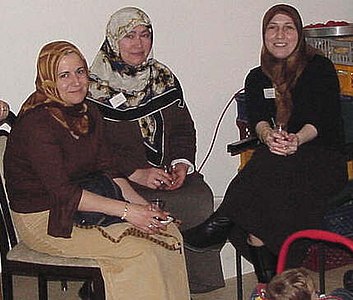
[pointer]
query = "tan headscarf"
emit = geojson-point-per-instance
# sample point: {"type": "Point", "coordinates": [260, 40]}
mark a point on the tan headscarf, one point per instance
{"type": "Point", "coordinates": [284, 73]}
{"type": "Point", "coordinates": [72, 117]}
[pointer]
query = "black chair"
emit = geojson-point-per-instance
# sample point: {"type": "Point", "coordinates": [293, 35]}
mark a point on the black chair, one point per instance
{"type": "Point", "coordinates": [248, 143]}
{"type": "Point", "coordinates": [18, 259]}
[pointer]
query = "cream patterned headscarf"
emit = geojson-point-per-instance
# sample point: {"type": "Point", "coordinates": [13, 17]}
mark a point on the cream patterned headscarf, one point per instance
{"type": "Point", "coordinates": [110, 75]}
{"type": "Point", "coordinates": [145, 90]}
{"type": "Point", "coordinates": [122, 22]}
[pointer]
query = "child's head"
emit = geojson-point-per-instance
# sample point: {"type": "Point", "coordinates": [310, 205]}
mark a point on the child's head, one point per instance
{"type": "Point", "coordinates": [293, 284]}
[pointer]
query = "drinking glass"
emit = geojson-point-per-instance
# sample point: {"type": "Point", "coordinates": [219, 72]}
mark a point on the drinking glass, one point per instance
{"type": "Point", "coordinates": [157, 204]}
{"type": "Point", "coordinates": [280, 127]}
{"type": "Point", "coordinates": [167, 169]}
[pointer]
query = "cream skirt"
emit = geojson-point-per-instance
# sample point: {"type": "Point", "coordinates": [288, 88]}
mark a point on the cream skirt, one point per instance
{"type": "Point", "coordinates": [134, 268]}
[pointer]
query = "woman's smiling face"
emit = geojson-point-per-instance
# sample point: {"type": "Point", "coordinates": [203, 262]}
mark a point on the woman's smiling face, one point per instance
{"type": "Point", "coordinates": [72, 79]}
{"type": "Point", "coordinates": [281, 36]}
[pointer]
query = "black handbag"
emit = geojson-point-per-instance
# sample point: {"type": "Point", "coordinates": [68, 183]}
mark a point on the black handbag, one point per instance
{"type": "Point", "coordinates": [101, 184]}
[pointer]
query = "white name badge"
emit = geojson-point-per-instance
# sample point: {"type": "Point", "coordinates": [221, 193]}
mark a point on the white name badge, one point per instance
{"type": "Point", "coordinates": [269, 93]}
{"type": "Point", "coordinates": [117, 100]}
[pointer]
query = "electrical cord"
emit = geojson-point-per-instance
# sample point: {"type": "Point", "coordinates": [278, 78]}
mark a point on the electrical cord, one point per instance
{"type": "Point", "coordinates": [217, 129]}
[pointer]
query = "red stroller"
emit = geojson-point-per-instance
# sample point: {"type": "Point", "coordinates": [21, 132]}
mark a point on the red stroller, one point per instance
{"type": "Point", "coordinates": [320, 235]}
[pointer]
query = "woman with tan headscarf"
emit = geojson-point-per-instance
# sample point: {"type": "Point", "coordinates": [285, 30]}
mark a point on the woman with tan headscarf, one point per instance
{"type": "Point", "coordinates": [56, 143]}
{"type": "Point", "coordinates": [294, 108]}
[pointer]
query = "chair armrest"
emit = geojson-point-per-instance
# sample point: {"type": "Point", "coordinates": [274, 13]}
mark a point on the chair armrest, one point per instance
{"type": "Point", "coordinates": [243, 145]}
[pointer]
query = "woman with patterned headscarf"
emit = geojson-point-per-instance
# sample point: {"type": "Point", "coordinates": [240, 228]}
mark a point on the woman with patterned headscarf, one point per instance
{"type": "Point", "coordinates": [294, 107]}
{"type": "Point", "coordinates": [151, 131]}
{"type": "Point", "coordinates": [56, 143]}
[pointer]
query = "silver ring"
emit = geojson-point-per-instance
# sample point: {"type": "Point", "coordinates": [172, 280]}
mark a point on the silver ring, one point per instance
{"type": "Point", "coordinates": [150, 226]}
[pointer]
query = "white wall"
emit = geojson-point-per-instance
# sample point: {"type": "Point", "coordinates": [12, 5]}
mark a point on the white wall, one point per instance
{"type": "Point", "coordinates": [210, 45]}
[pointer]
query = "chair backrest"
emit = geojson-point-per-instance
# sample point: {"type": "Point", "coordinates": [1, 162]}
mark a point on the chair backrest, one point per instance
{"type": "Point", "coordinates": [242, 120]}
{"type": "Point", "coordinates": [347, 113]}
{"type": "Point", "coordinates": [8, 238]}
{"type": "Point", "coordinates": [5, 243]}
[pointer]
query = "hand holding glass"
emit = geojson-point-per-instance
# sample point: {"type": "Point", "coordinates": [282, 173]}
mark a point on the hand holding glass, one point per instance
{"type": "Point", "coordinates": [159, 204]}
{"type": "Point", "coordinates": [167, 170]}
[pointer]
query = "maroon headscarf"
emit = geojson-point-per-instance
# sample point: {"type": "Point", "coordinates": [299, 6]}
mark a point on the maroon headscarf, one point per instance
{"type": "Point", "coordinates": [284, 73]}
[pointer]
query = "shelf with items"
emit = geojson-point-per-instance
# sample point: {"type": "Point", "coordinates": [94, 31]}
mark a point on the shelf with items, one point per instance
{"type": "Point", "coordinates": [329, 29]}
{"type": "Point", "coordinates": [336, 42]}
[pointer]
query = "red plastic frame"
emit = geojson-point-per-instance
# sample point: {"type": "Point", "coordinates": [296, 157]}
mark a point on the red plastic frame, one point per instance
{"type": "Point", "coordinates": [313, 234]}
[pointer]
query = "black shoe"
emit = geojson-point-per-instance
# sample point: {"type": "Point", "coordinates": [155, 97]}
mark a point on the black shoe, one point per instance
{"type": "Point", "coordinates": [86, 292]}
{"type": "Point", "coordinates": [264, 262]}
{"type": "Point", "coordinates": [348, 280]}
{"type": "Point", "coordinates": [209, 235]}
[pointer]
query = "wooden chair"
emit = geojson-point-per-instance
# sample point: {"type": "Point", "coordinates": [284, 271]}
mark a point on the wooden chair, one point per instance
{"type": "Point", "coordinates": [18, 259]}
{"type": "Point", "coordinates": [248, 143]}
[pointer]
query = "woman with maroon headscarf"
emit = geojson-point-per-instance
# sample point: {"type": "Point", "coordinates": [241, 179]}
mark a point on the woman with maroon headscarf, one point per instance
{"type": "Point", "coordinates": [293, 106]}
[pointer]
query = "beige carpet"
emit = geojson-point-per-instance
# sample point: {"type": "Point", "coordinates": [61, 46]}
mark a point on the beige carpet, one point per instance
{"type": "Point", "coordinates": [25, 288]}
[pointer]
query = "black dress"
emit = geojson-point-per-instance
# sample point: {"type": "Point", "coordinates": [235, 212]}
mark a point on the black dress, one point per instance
{"type": "Point", "coordinates": [274, 196]}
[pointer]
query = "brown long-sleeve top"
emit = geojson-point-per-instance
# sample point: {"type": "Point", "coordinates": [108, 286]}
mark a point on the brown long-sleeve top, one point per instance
{"type": "Point", "coordinates": [42, 161]}
{"type": "Point", "coordinates": [126, 141]}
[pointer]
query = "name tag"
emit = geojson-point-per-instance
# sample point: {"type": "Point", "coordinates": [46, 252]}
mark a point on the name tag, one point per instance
{"type": "Point", "coordinates": [117, 100]}
{"type": "Point", "coordinates": [269, 93]}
